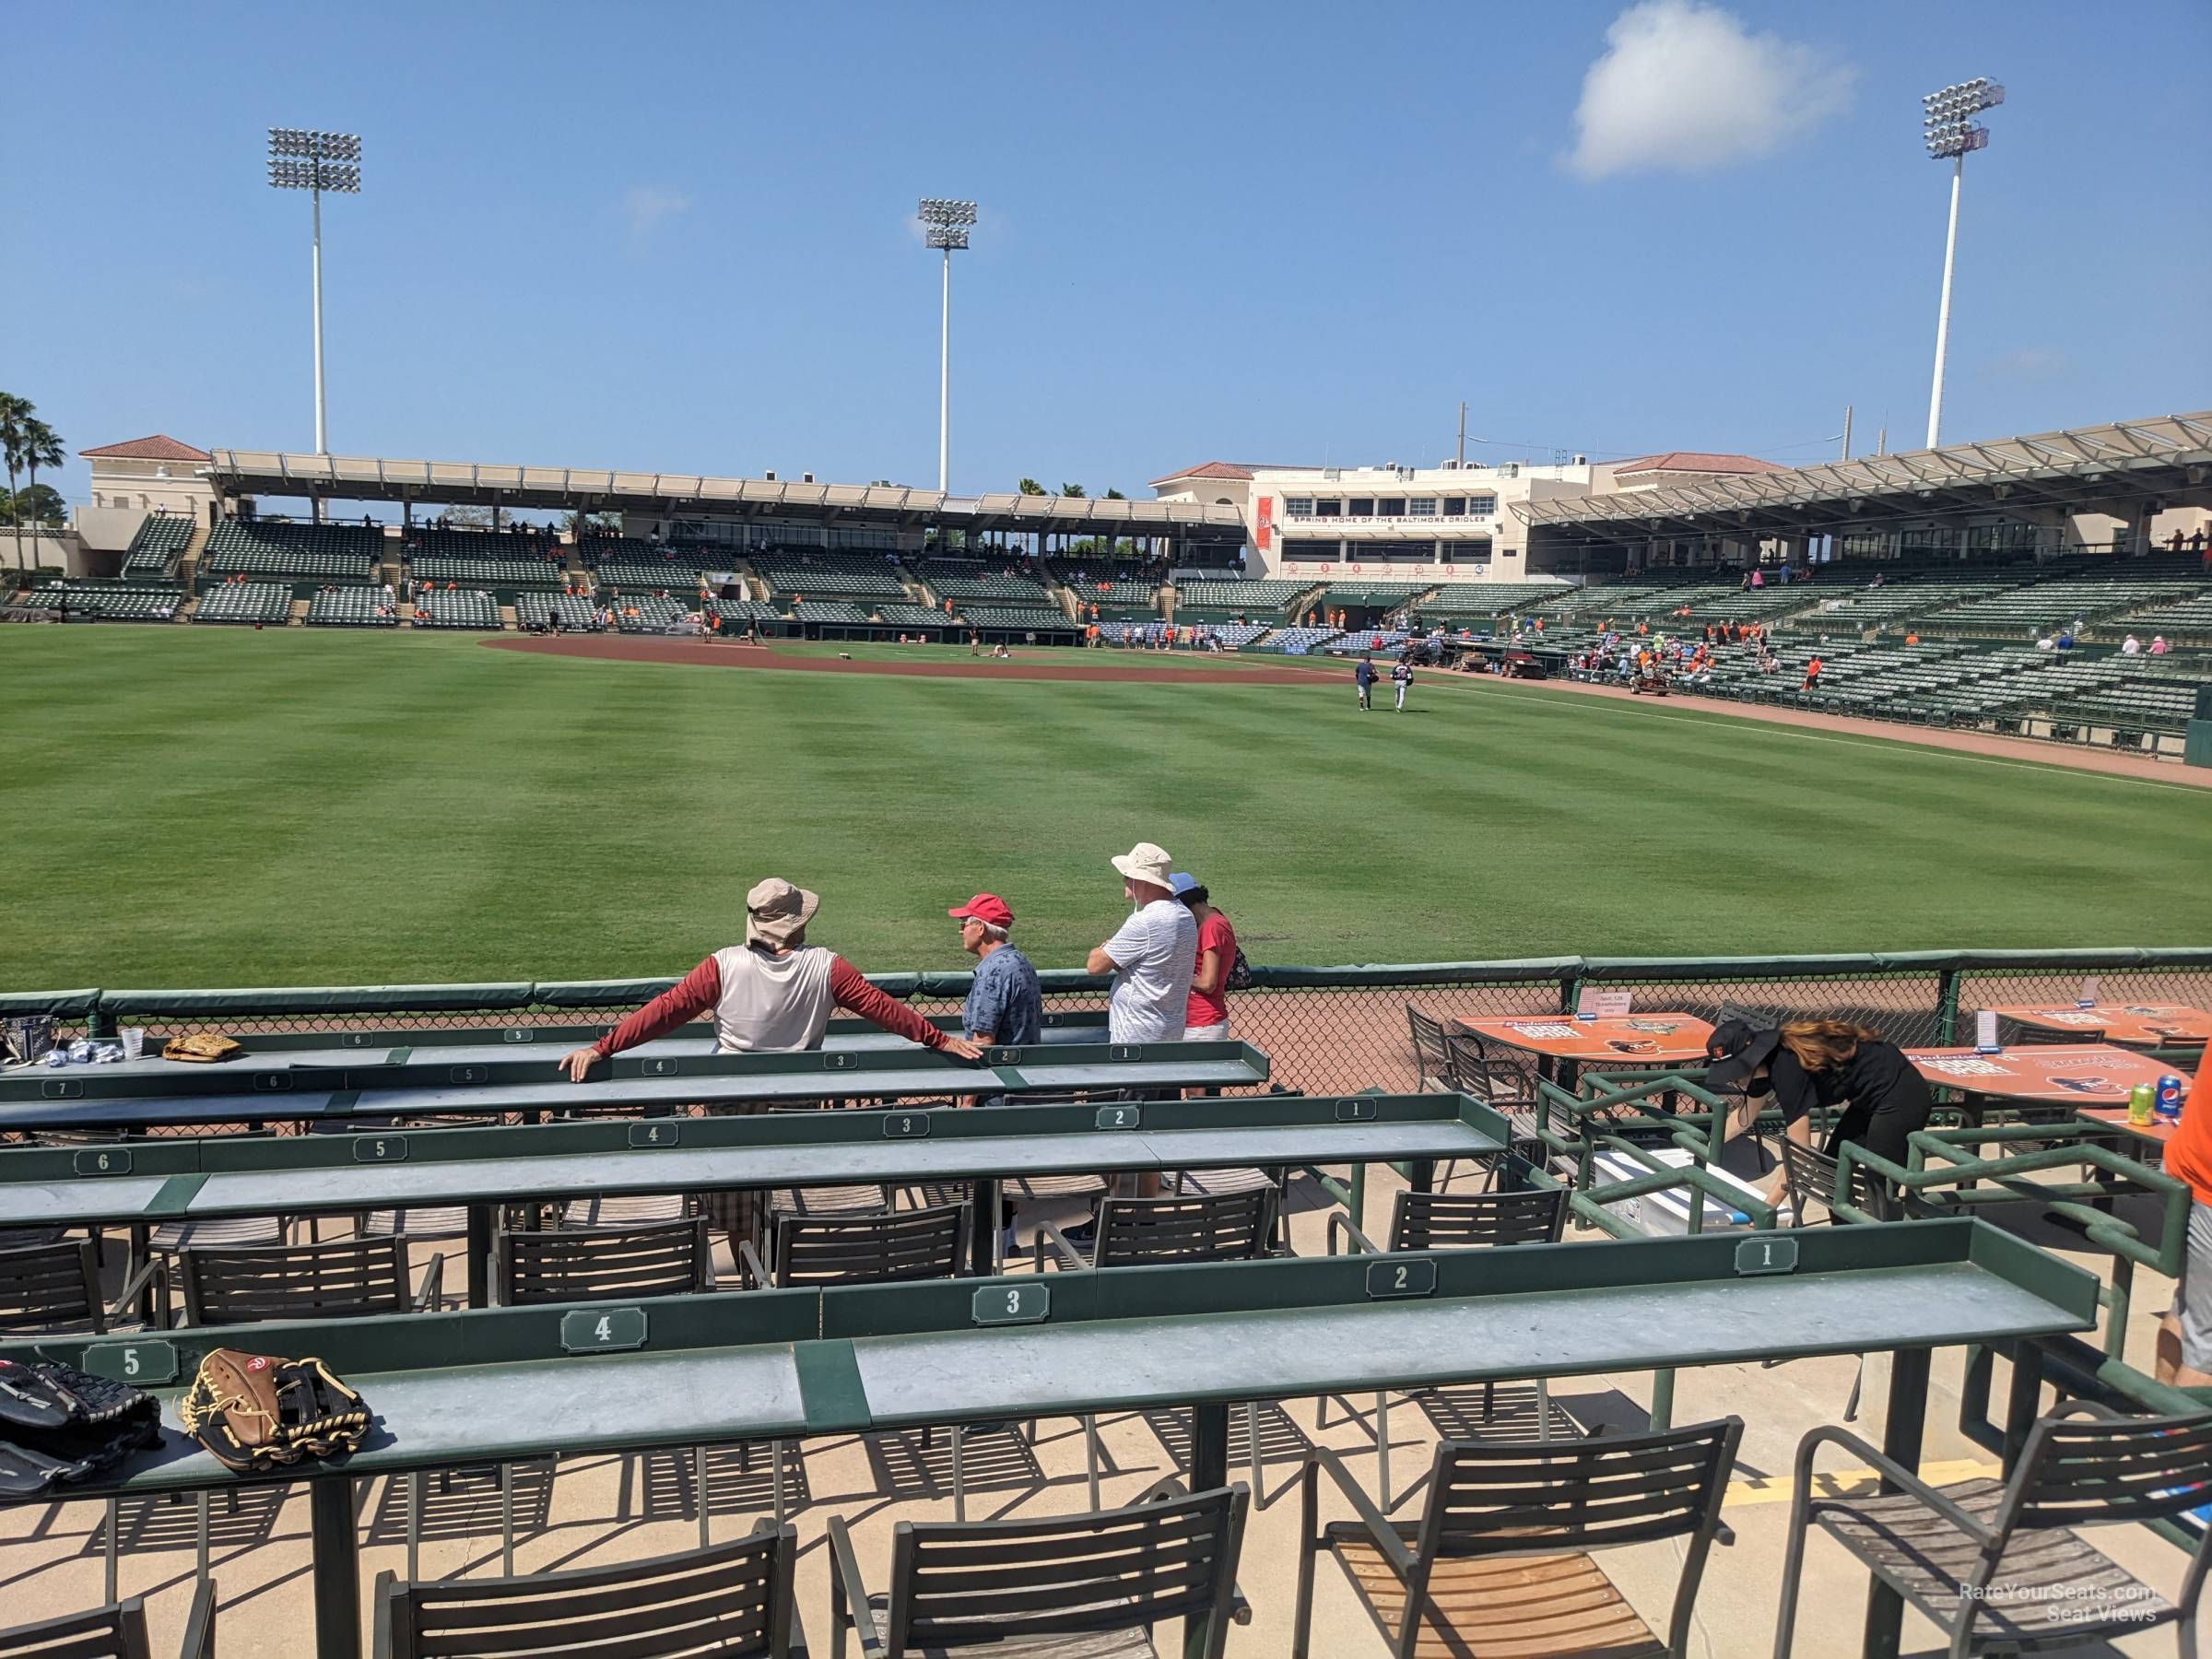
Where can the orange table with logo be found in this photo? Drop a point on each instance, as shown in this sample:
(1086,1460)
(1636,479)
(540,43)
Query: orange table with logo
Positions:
(2069,1076)
(2136,1025)
(1563,1043)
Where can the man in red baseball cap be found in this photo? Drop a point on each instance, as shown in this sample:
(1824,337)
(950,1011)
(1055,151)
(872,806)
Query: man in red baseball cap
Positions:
(1004,1004)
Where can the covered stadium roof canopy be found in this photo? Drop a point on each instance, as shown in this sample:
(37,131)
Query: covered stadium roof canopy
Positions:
(591,489)
(2116,469)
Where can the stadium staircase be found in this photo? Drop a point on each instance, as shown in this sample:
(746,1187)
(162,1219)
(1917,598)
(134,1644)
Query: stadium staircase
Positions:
(296,616)
(188,561)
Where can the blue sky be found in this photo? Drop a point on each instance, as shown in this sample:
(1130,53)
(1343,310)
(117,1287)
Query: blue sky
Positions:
(679,238)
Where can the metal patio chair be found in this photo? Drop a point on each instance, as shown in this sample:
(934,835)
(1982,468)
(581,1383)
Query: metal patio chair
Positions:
(1137,1232)
(1500,1559)
(1943,1548)
(1080,1587)
(343,1278)
(54,1290)
(1425,1221)
(532,1267)
(731,1601)
(114,1632)
(595,1263)
(892,1247)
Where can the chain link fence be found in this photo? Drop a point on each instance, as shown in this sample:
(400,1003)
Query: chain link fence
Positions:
(1327,1030)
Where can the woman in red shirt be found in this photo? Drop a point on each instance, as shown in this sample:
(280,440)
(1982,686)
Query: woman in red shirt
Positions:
(1206,1018)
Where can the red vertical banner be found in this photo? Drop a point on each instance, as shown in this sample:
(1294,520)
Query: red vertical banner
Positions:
(1263,532)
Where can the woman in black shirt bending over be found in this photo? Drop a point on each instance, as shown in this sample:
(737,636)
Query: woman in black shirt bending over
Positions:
(1834,1062)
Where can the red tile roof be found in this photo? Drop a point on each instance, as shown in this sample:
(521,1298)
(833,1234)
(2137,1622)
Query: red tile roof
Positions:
(1698,461)
(1229,469)
(157,448)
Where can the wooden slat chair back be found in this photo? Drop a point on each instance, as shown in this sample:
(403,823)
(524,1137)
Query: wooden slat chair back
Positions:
(962,1587)
(1811,1174)
(50,1288)
(347,1278)
(1216,1226)
(1431,1051)
(730,1600)
(584,1264)
(2089,1472)
(1947,1548)
(865,1249)
(114,1632)
(1500,1559)
(1477,1221)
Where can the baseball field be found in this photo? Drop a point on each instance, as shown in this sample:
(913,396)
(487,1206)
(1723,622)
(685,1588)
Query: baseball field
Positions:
(207,807)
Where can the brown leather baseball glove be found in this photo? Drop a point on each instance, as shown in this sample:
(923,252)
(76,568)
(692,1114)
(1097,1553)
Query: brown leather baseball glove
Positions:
(256,1411)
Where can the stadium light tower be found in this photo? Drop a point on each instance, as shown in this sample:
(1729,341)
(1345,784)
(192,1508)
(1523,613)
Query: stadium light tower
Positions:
(300,159)
(1950,131)
(948,224)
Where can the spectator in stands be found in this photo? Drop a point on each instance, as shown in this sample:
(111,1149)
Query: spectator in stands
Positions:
(1004,1004)
(2173,542)
(1152,956)
(2158,644)
(1831,1062)
(2064,641)
(771,994)
(2131,646)
(1205,1019)
(1812,673)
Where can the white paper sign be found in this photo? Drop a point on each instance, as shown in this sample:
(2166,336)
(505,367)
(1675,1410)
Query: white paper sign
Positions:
(1985,1032)
(2088,999)
(1602,1005)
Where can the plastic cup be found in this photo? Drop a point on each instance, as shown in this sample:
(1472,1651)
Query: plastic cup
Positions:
(134,1040)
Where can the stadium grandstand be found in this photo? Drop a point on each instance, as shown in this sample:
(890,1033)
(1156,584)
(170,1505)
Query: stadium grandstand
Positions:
(471,608)
(256,546)
(157,546)
(353,607)
(535,612)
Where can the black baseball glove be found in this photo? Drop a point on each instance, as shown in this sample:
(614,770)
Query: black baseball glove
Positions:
(59,1424)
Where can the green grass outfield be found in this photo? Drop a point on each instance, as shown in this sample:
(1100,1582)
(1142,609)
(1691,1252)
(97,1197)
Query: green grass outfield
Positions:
(211,806)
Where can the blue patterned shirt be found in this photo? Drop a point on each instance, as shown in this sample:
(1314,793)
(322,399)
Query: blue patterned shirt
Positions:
(1004,1000)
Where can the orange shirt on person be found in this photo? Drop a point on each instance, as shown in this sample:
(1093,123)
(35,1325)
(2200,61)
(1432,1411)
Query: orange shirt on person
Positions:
(2189,1153)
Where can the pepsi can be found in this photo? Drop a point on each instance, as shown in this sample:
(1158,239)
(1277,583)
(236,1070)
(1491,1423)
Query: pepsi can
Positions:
(2168,1104)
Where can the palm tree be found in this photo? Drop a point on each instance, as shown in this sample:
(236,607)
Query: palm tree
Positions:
(1113,495)
(14,412)
(1074,492)
(1028,486)
(42,447)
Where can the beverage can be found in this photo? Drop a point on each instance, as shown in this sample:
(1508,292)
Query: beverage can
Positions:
(2169,1106)
(2142,1100)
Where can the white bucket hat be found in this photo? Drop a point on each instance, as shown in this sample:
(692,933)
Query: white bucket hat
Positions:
(776,913)
(1148,863)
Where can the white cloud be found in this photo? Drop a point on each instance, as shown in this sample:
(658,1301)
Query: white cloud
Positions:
(1683,86)
(648,204)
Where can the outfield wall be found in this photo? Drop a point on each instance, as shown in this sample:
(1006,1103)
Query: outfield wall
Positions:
(1327,1030)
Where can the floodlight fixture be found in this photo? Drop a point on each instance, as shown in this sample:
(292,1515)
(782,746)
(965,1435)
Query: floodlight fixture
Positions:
(947,223)
(1951,134)
(311,159)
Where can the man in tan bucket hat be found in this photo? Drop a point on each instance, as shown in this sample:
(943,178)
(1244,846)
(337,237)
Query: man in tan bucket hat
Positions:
(771,994)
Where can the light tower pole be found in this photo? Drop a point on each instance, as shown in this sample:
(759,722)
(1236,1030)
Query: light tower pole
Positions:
(948,223)
(1950,131)
(301,159)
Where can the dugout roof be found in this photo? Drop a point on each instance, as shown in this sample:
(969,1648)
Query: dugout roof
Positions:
(591,489)
(2118,469)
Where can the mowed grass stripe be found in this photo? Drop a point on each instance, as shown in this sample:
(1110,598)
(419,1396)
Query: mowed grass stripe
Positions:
(205,807)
